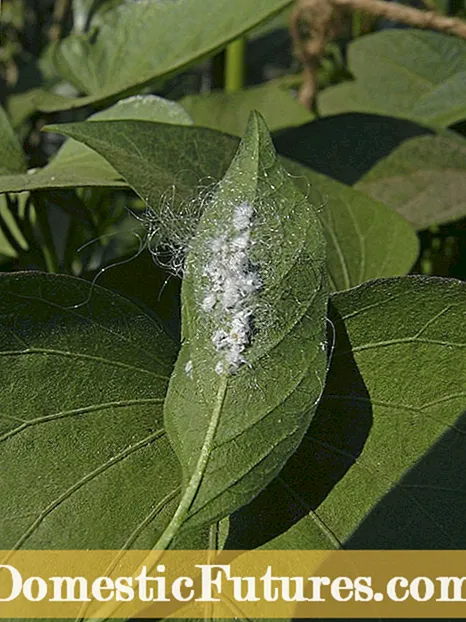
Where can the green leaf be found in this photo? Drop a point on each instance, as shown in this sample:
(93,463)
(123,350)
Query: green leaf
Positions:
(383,462)
(346,146)
(75,165)
(406,73)
(366,239)
(140,41)
(407,166)
(424,179)
(76,157)
(189,158)
(234,417)
(11,238)
(83,382)
(11,154)
(229,112)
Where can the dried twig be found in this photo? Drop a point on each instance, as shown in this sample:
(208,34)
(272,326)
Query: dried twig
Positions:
(315,22)
(60,11)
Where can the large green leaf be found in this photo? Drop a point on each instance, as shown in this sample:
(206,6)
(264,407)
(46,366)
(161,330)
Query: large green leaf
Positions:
(11,154)
(140,41)
(229,112)
(85,459)
(406,73)
(424,179)
(76,165)
(365,238)
(383,462)
(235,416)
(407,166)
(76,157)
(347,146)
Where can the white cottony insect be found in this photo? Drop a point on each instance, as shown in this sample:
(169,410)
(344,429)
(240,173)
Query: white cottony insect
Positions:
(188,368)
(232,283)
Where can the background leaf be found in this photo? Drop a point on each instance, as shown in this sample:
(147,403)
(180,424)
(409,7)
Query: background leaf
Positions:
(76,157)
(86,462)
(365,238)
(11,154)
(407,73)
(229,112)
(409,167)
(246,424)
(76,165)
(382,464)
(424,179)
(11,238)
(190,157)
(140,41)
(346,146)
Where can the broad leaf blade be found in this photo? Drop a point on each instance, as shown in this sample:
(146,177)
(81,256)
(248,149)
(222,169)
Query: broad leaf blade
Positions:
(366,239)
(229,112)
(346,146)
(383,462)
(233,427)
(75,165)
(76,157)
(189,158)
(407,73)
(81,418)
(424,179)
(140,41)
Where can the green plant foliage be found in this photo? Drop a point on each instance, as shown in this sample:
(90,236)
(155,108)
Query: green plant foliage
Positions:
(11,238)
(405,73)
(346,146)
(229,112)
(140,41)
(201,154)
(76,157)
(424,179)
(372,451)
(382,464)
(245,364)
(365,238)
(11,155)
(76,165)
(233,431)
(82,409)
(409,167)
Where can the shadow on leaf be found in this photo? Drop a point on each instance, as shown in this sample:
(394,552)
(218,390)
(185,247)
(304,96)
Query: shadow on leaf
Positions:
(330,447)
(346,146)
(426,508)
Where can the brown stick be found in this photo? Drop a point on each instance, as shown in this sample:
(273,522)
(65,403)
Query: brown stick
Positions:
(407,15)
(323,19)
(59,13)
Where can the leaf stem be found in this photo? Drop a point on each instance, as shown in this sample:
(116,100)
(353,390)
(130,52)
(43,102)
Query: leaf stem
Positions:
(234,65)
(187,499)
(196,479)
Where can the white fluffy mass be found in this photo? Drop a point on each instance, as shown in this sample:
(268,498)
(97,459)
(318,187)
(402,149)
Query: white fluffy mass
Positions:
(232,283)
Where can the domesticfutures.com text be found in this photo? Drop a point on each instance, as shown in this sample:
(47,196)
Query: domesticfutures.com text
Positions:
(214,580)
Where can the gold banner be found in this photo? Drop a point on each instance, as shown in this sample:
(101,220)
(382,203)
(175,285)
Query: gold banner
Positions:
(231,584)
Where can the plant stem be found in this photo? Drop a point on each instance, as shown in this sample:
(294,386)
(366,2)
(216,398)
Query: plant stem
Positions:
(187,498)
(234,65)
(47,245)
(196,479)
(325,19)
